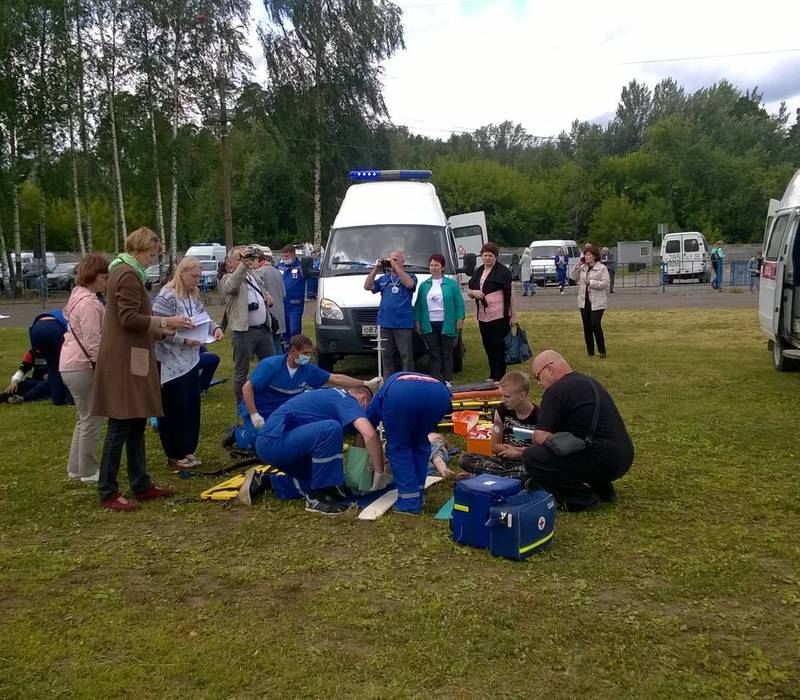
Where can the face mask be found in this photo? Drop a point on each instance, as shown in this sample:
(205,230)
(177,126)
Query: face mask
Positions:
(303,359)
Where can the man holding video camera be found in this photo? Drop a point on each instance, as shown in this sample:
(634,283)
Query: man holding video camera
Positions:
(395,313)
(247,306)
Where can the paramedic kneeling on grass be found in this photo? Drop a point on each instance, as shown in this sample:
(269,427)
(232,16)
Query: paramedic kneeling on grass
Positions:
(581,479)
(304,438)
(277,379)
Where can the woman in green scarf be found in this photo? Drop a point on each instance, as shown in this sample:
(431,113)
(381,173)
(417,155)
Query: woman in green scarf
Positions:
(127,387)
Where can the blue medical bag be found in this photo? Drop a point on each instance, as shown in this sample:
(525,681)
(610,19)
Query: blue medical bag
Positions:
(521,524)
(473,499)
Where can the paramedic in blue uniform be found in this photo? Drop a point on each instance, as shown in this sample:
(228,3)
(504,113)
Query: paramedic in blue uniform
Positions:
(47,336)
(305,438)
(395,313)
(277,379)
(295,285)
(410,405)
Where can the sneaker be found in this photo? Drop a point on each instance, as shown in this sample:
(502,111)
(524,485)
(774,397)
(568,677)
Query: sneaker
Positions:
(230,438)
(561,292)
(119,502)
(15,399)
(91,479)
(325,504)
(254,484)
(72,476)
(152,492)
(402,511)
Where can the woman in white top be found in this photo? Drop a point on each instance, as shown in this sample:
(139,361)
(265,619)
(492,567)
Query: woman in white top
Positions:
(593,284)
(179,427)
(439,316)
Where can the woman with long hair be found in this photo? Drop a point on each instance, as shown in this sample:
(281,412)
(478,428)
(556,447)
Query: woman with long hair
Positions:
(490,287)
(84,312)
(439,314)
(179,358)
(126,387)
(593,284)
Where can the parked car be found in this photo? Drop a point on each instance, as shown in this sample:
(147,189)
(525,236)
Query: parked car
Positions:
(62,277)
(208,278)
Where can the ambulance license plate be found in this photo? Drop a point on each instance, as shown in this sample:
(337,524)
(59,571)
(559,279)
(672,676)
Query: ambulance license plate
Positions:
(369,330)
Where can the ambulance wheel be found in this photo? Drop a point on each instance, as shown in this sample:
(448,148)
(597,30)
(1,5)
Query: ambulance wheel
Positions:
(458,354)
(779,361)
(326,361)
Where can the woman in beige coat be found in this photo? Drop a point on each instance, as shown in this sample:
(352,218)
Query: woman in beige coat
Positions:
(127,387)
(593,285)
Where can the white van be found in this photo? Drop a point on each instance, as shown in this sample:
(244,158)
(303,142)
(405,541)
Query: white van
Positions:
(207,251)
(687,256)
(779,292)
(387,210)
(29,261)
(543,253)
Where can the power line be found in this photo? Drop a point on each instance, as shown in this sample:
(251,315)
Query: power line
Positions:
(710,56)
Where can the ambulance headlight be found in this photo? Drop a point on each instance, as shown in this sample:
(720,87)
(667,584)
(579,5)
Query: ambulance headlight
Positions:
(329,310)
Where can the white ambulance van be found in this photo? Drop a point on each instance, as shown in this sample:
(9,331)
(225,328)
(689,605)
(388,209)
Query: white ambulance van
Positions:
(543,253)
(687,256)
(779,288)
(385,210)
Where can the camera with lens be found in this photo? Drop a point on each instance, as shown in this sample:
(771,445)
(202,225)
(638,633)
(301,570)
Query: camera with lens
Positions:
(386,265)
(252,306)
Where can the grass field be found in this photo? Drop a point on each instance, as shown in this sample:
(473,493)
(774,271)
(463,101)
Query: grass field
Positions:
(688,587)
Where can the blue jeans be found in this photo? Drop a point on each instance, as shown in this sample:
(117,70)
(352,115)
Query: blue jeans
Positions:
(528,288)
(717,283)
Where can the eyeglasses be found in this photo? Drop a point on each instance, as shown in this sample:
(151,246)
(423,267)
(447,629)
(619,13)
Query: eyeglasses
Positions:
(537,374)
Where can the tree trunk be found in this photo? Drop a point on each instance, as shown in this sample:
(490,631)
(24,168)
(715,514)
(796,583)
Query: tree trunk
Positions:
(116,226)
(159,201)
(83,131)
(317,196)
(15,209)
(117,176)
(173,220)
(226,161)
(5,261)
(71,126)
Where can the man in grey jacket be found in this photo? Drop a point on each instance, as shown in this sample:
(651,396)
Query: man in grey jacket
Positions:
(273,282)
(247,306)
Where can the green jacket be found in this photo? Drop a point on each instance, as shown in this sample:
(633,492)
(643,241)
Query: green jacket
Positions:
(453,306)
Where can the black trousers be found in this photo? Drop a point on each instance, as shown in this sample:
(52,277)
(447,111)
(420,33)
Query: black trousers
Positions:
(128,433)
(575,480)
(493,335)
(179,427)
(592,330)
(440,352)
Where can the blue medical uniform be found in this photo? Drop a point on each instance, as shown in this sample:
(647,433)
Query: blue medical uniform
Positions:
(305,436)
(295,285)
(396,310)
(272,387)
(561,269)
(410,405)
(47,337)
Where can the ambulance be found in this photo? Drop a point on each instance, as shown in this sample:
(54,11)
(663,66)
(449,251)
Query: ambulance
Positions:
(385,210)
(779,289)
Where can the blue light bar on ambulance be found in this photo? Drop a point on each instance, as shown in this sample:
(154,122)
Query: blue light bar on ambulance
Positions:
(390,175)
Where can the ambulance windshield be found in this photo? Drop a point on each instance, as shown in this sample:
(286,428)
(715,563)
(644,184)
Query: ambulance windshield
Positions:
(354,250)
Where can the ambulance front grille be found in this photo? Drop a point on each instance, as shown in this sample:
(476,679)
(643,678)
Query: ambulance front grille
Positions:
(365,317)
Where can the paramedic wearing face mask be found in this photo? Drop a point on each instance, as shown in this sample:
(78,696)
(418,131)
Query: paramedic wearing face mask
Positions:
(295,285)
(277,379)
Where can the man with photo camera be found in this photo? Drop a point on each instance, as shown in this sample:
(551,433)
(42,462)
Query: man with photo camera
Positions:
(247,307)
(395,313)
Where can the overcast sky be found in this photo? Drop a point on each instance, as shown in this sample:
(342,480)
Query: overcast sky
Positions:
(469,63)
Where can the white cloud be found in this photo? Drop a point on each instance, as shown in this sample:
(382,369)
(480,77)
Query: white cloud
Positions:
(471,62)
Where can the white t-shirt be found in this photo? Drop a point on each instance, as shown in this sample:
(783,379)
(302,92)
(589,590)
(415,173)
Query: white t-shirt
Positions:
(258,317)
(436,301)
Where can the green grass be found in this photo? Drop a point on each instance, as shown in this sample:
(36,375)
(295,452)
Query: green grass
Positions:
(688,587)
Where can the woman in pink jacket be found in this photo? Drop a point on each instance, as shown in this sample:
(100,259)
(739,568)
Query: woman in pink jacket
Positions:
(84,313)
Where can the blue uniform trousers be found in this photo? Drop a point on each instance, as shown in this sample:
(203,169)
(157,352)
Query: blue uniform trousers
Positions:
(411,410)
(245,435)
(48,336)
(294,316)
(313,451)
(207,366)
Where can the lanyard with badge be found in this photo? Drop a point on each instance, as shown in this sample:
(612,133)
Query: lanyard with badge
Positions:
(395,284)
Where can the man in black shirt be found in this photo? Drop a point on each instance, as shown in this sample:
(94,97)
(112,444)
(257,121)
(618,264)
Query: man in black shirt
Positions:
(580,480)
(516,411)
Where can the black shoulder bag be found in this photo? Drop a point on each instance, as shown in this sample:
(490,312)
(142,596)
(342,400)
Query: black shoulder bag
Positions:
(564,443)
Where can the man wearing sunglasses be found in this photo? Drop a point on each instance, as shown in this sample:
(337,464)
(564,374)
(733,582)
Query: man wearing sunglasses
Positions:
(580,480)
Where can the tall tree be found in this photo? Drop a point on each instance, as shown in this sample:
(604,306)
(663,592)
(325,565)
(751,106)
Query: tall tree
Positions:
(329,52)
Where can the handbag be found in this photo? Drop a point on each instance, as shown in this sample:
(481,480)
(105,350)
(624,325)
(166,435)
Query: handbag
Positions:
(564,443)
(517,348)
